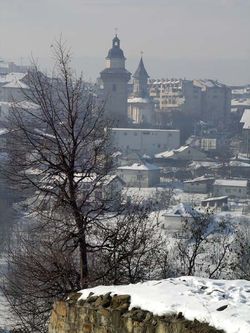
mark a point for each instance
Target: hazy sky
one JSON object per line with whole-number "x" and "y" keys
{"x": 181, "y": 38}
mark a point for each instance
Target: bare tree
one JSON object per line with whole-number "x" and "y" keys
{"x": 130, "y": 248}
{"x": 241, "y": 263}
{"x": 203, "y": 245}
{"x": 39, "y": 272}
{"x": 61, "y": 149}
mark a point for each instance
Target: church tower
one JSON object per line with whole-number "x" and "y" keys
{"x": 140, "y": 105}
{"x": 140, "y": 83}
{"x": 115, "y": 79}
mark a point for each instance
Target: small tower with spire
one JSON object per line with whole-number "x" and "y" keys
{"x": 115, "y": 79}
{"x": 140, "y": 105}
{"x": 140, "y": 84}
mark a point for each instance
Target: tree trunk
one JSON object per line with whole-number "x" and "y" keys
{"x": 83, "y": 260}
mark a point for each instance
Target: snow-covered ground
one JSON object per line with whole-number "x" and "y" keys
{"x": 224, "y": 304}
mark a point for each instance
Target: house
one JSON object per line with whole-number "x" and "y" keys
{"x": 231, "y": 187}
{"x": 239, "y": 169}
{"x": 108, "y": 189}
{"x": 139, "y": 175}
{"x": 179, "y": 156}
{"x": 201, "y": 184}
{"x": 215, "y": 202}
{"x": 93, "y": 189}
{"x": 24, "y": 106}
{"x": 173, "y": 218}
{"x": 200, "y": 168}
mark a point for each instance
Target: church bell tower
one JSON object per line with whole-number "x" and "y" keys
{"x": 115, "y": 79}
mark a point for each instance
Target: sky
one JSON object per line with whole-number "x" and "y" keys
{"x": 179, "y": 38}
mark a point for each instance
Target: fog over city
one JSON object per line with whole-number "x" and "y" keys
{"x": 179, "y": 38}
{"x": 124, "y": 166}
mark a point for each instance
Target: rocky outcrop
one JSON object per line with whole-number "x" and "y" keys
{"x": 106, "y": 314}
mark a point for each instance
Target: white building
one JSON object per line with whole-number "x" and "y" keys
{"x": 145, "y": 141}
{"x": 231, "y": 188}
{"x": 7, "y": 107}
{"x": 172, "y": 219}
{"x": 140, "y": 175}
{"x": 198, "y": 185}
{"x": 13, "y": 87}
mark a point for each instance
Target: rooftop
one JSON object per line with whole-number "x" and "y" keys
{"x": 140, "y": 167}
{"x": 141, "y": 71}
{"x": 144, "y": 129}
{"x": 231, "y": 182}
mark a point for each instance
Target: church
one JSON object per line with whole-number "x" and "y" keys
{"x": 124, "y": 110}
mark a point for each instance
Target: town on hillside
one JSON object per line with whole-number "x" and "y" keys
{"x": 121, "y": 182}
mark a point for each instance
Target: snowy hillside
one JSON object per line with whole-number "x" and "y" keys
{"x": 224, "y": 304}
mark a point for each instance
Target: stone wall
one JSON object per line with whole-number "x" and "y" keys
{"x": 106, "y": 314}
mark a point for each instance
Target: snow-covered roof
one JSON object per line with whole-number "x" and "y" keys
{"x": 182, "y": 210}
{"x": 204, "y": 164}
{"x": 138, "y": 100}
{"x": 22, "y": 105}
{"x": 165, "y": 154}
{"x": 231, "y": 182}
{"x": 224, "y": 304}
{"x": 171, "y": 153}
{"x": 6, "y": 78}
{"x": 240, "y": 102}
{"x": 236, "y": 163}
{"x": 16, "y": 84}
{"x": 199, "y": 179}
{"x": 206, "y": 83}
{"x": 245, "y": 119}
{"x": 3, "y": 131}
{"x": 117, "y": 129}
{"x": 140, "y": 167}
{"x": 215, "y": 199}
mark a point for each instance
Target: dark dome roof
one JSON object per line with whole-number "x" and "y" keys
{"x": 115, "y": 52}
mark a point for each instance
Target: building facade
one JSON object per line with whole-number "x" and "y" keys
{"x": 140, "y": 175}
{"x": 207, "y": 100}
{"x": 231, "y": 187}
{"x": 145, "y": 141}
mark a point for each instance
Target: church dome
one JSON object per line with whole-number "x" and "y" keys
{"x": 115, "y": 51}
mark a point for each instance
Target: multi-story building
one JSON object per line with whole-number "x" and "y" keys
{"x": 207, "y": 100}
{"x": 167, "y": 93}
{"x": 145, "y": 141}
{"x": 215, "y": 101}
{"x": 11, "y": 67}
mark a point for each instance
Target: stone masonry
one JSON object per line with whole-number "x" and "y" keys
{"x": 106, "y": 314}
